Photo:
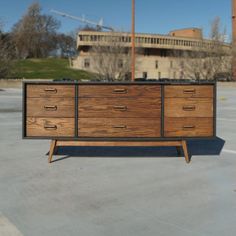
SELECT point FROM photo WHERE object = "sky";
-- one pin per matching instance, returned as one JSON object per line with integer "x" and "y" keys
{"x": 152, "y": 16}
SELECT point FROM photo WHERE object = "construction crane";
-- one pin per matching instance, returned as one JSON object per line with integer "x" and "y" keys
{"x": 99, "y": 24}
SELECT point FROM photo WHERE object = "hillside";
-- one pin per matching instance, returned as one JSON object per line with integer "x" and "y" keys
{"x": 49, "y": 68}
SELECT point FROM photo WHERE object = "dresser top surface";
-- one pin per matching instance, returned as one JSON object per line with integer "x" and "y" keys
{"x": 169, "y": 82}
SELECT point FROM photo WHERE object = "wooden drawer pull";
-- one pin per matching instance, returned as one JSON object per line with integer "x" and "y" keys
{"x": 120, "y": 91}
{"x": 51, "y": 90}
{"x": 189, "y": 126}
{"x": 120, "y": 127}
{"x": 50, "y": 108}
{"x": 189, "y": 91}
{"x": 189, "y": 108}
{"x": 50, "y": 127}
{"x": 120, "y": 108}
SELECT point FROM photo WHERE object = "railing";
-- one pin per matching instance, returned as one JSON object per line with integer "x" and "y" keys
{"x": 155, "y": 41}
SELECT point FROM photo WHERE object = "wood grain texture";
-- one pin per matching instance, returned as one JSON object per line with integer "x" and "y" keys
{"x": 188, "y": 127}
{"x": 50, "y": 107}
{"x": 119, "y": 127}
{"x": 119, "y": 143}
{"x": 188, "y": 107}
{"x": 119, "y": 91}
{"x": 50, "y": 90}
{"x": 120, "y": 107}
{"x": 187, "y": 91}
{"x": 44, "y": 127}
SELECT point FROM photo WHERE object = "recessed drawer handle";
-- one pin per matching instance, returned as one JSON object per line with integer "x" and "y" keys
{"x": 122, "y": 91}
{"x": 51, "y": 108}
{"x": 50, "y": 127}
{"x": 51, "y": 90}
{"x": 189, "y": 108}
{"x": 191, "y": 91}
{"x": 120, "y": 127}
{"x": 189, "y": 126}
{"x": 120, "y": 108}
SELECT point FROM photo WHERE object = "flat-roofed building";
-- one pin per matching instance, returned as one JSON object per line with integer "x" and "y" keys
{"x": 157, "y": 56}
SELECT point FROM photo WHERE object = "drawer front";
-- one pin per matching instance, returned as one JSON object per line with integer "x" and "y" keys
{"x": 118, "y": 127}
{"x": 188, "y": 91}
{"x": 120, "y": 107}
{"x": 46, "y": 127}
{"x": 51, "y": 107}
{"x": 50, "y": 90}
{"x": 188, "y": 107}
{"x": 188, "y": 127}
{"x": 119, "y": 90}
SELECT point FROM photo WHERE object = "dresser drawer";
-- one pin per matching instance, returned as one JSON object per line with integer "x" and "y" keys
{"x": 188, "y": 127}
{"x": 46, "y": 127}
{"x": 50, "y": 90}
{"x": 187, "y": 91}
{"x": 120, "y": 107}
{"x": 188, "y": 107}
{"x": 50, "y": 107}
{"x": 119, "y": 90}
{"x": 118, "y": 127}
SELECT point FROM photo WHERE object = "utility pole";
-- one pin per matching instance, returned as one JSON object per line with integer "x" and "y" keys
{"x": 234, "y": 39}
{"x": 133, "y": 42}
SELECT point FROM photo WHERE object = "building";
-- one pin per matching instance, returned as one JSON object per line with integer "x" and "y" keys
{"x": 157, "y": 56}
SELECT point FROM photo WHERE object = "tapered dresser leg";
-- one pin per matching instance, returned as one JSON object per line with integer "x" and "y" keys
{"x": 185, "y": 149}
{"x": 51, "y": 151}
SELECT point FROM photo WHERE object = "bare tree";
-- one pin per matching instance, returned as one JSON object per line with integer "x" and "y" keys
{"x": 111, "y": 59}
{"x": 66, "y": 44}
{"x": 34, "y": 34}
{"x": 210, "y": 59}
{"x": 7, "y": 53}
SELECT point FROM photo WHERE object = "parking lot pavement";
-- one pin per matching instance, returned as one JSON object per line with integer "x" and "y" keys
{"x": 117, "y": 191}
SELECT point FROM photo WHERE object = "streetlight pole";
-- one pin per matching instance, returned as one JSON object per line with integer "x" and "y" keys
{"x": 133, "y": 42}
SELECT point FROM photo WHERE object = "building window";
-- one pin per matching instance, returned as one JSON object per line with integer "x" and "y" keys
{"x": 182, "y": 64}
{"x": 86, "y": 63}
{"x": 159, "y": 75}
{"x": 145, "y": 75}
{"x": 171, "y": 64}
{"x": 120, "y": 63}
{"x": 174, "y": 75}
{"x": 163, "y": 53}
{"x": 156, "y": 64}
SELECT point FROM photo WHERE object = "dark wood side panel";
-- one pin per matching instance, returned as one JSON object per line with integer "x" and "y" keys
{"x": 50, "y": 90}
{"x": 187, "y": 91}
{"x": 120, "y": 107}
{"x": 51, "y": 107}
{"x": 188, "y": 127}
{"x": 188, "y": 107}
{"x": 119, "y": 90}
{"x": 119, "y": 127}
{"x": 46, "y": 127}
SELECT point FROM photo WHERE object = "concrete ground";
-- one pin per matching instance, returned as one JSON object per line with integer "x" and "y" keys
{"x": 137, "y": 192}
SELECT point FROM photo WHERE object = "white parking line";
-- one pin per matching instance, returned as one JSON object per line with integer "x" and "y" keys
{"x": 229, "y": 151}
{"x": 7, "y": 228}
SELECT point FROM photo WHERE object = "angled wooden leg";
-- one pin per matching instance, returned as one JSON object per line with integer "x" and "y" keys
{"x": 178, "y": 151}
{"x": 185, "y": 149}
{"x": 51, "y": 151}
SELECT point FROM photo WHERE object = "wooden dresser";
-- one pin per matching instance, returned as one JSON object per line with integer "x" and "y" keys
{"x": 119, "y": 114}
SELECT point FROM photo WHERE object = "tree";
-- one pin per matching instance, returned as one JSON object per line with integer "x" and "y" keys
{"x": 7, "y": 53}
{"x": 66, "y": 44}
{"x": 35, "y": 33}
{"x": 111, "y": 59}
{"x": 210, "y": 59}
